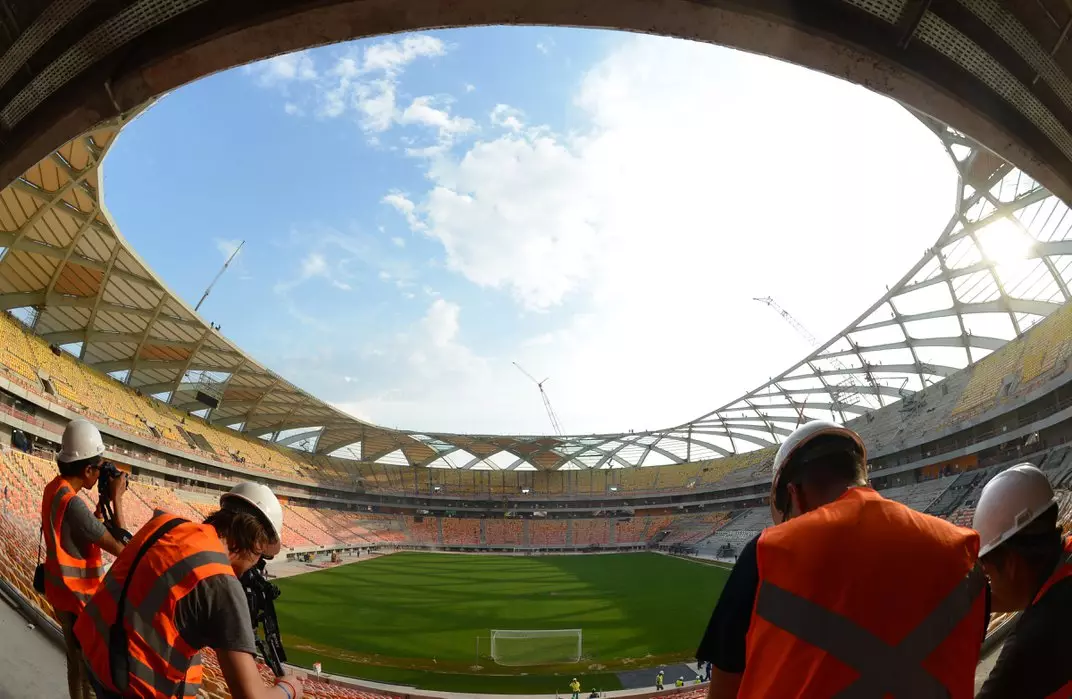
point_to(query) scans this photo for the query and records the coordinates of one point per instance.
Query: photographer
(73, 537)
(178, 587)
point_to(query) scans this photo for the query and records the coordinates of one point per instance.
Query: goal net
(513, 647)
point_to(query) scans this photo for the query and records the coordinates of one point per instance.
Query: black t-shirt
(723, 643)
(1036, 660)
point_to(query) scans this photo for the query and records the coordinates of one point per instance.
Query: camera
(261, 595)
(108, 473)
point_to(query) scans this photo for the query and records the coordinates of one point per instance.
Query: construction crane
(546, 401)
(851, 379)
(801, 330)
(218, 275)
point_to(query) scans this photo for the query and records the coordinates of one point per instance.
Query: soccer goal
(514, 647)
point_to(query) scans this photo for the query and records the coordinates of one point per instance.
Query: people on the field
(659, 680)
(73, 538)
(1029, 564)
(848, 591)
(180, 579)
(575, 687)
(680, 682)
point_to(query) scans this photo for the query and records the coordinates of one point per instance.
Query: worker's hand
(296, 682)
(117, 487)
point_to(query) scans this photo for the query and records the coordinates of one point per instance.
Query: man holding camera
(74, 538)
(176, 590)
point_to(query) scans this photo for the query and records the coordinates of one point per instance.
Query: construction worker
(1029, 564)
(177, 584)
(848, 592)
(575, 687)
(680, 682)
(659, 680)
(73, 538)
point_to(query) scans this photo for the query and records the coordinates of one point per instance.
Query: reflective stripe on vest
(883, 668)
(70, 581)
(161, 663)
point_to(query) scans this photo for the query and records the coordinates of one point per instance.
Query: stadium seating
(503, 532)
(547, 533)
(630, 531)
(461, 532)
(424, 532)
(589, 532)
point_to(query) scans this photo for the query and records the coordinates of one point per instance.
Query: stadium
(506, 564)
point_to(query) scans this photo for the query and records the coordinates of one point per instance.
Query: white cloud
(398, 242)
(544, 47)
(363, 82)
(227, 247)
(401, 203)
(508, 117)
(470, 87)
(421, 111)
(314, 265)
(284, 69)
(392, 56)
(703, 177)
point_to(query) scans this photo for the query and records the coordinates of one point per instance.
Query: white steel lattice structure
(1003, 262)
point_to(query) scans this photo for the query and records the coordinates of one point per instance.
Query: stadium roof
(1001, 264)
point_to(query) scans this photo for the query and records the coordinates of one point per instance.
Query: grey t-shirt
(215, 615)
(80, 529)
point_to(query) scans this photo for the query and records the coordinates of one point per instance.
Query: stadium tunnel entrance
(998, 75)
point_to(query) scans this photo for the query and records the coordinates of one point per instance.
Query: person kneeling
(176, 588)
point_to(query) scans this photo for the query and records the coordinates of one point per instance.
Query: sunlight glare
(1004, 243)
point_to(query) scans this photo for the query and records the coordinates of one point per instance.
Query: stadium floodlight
(519, 647)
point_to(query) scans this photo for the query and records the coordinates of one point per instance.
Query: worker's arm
(724, 685)
(86, 529)
(110, 544)
(723, 644)
(244, 680)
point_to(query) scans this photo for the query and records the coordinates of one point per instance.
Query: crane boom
(796, 324)
(551, 414)
(837, 394)
(218, 275)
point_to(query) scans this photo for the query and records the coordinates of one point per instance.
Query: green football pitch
(424, 619)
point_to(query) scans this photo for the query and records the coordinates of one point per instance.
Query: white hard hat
(1009, 502)
(81, 440)
(801, 436)
(261, 497)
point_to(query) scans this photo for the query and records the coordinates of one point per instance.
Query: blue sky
(422, 210)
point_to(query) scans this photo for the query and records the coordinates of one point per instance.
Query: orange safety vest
(1064, 570)
(864, 597)
(69, 580)
(161, 664)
